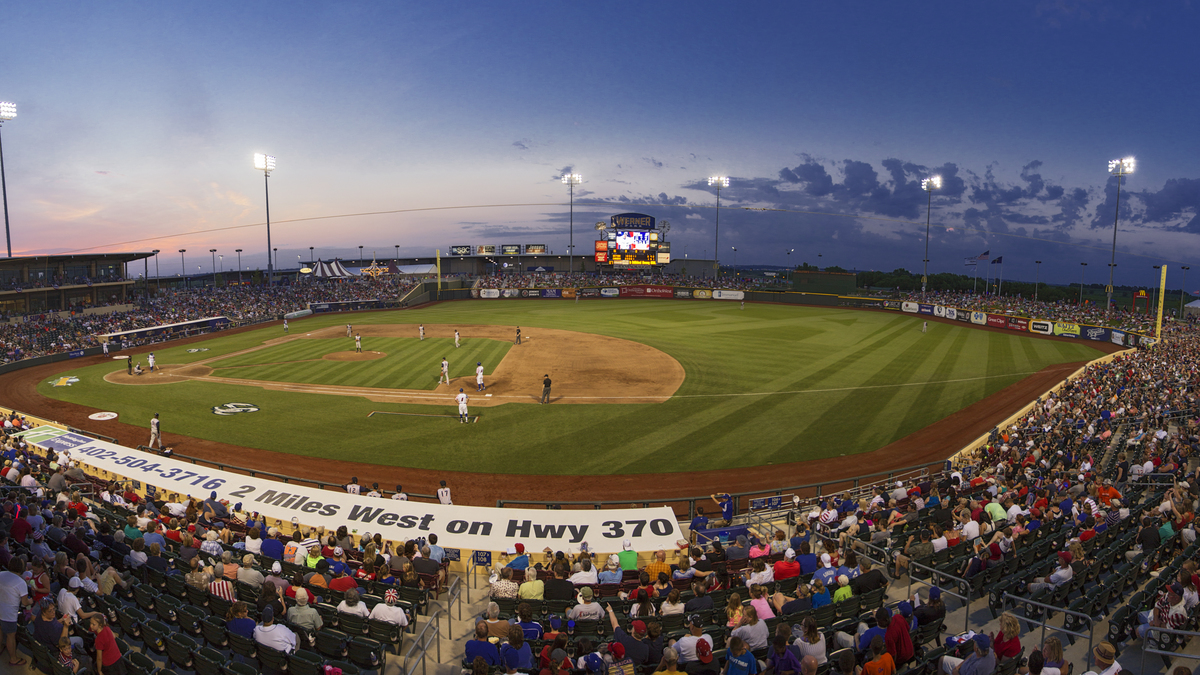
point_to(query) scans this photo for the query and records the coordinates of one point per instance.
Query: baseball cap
(934, 592)
(627, 545)
(618, 650)
(983, 642)
(586, 592)
(555, 623)
(391, 597)
(74, 583)
(826, 560)
(594, 662)
(268, 613)
(519, 547)
(337, 551)
(906, 609)
(512, 659)
(704, 651)
(790, 553)
(1177, 588)
(843, 580)
(1065, 556)
(638, 626)
(695, 620)
(276, 568)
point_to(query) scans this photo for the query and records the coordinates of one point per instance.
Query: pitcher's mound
(354, 356)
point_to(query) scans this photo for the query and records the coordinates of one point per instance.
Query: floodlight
(264, 162)
(932, 183)
(719, 181)
(8, 111)
(1121, 167)
(572, 179)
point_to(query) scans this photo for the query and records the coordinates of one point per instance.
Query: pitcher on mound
(445, 372)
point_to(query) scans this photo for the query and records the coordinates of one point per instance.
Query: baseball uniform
(422, 329)
(445, 372)
(462, 399)
(285, 327)
(348, 330)
(155, 436)
(479, 377)
(456, 339)
(358, 343)
(151, 360)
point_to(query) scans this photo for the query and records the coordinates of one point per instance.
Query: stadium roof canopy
(75, 258)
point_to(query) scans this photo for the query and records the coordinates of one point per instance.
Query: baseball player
(421, 327)
(358, 343)
(924, 326)
(129, 365)
(105, 346)
(456, 339)
(518, 336)
(546, 388)
(285, 327)
(743, 304)
(353, 487)
(151, 360)
(462, 399)
(479, 376)
(155, 434)
(375, 491)
(400, 495)
(443, 494)
(445, 372)
(348, 330)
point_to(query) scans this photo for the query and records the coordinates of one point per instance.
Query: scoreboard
(632, 248)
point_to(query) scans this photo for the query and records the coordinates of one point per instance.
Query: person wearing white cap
(276, 579)
(303, 614)
(68, 602)
(628, 556)
(826, 573)
(899, 493)
(611, 574)
(788, 567)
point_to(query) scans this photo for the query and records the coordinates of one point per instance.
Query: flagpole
(1000, 286)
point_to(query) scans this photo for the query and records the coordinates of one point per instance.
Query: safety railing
(418, 651)
(1044, 623)
(454, 601)
(1147, 649)
(938, 578)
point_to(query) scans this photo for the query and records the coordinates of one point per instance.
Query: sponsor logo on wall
(1066, 329)
(489, 293)
(234, 409)
(511, 293)
(702, 294)
(1018, 323)
(1095, 333)
(964, 315)
(531, 293)
(939, 310)
(925, 309)
(551, 292)
(1043, 327)
(1118, 337)
(951, 313)
(590, 292)
(891, 304)
(729, 295)
(610, 292)
(979, 318)
(683, 293)
(997, 321)
(910, 307)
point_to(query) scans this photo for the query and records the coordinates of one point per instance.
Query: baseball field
(639, 386)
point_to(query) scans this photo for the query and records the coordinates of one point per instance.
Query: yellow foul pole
(439, 272)
(1162, 292)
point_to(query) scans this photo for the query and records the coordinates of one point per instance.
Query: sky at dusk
(137, 123)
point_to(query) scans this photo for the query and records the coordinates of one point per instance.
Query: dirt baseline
(354, 356)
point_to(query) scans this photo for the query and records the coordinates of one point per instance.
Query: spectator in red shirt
(340, 581)
(788, 567)
(1008, 642)
(108, 655)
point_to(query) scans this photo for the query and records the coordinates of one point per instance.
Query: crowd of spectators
(51, 333)
(1092, 314)
(727, 281)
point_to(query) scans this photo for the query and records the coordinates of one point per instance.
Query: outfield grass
(410, 363)
(768, 384)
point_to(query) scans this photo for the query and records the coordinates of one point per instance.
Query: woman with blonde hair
(752, 630)
(1007, 642)
(811, 641)
(733, 611)
(669, 663)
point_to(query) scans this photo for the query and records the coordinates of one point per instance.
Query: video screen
(633, 241)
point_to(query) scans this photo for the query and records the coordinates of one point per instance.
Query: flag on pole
(999, 259)
(971, 262)
(984, 255)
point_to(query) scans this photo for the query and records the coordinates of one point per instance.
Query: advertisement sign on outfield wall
(569, 293)
(728, 295)
(925, 309)
(683, 293)
(489, 292)
(891, 304)
(468, 527)
(531, 292)
(551, 292)
(1066, 329)
(1018, 323)
(644, 291)
(964, 315)
(1042, 327)
(939, 310)
(610, 292)
(910, 307)
(997, 321)
(951, 313)
(1117, 337)
(979, 318)
(590, 292)
(510, 293)
(702, 294)
(1095, 333)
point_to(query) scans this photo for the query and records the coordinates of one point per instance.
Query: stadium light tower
(213, 251)
(183, 266)
(397, 253)
(1119, 168)
(156, 275)
(239, 252)
(276, 250)
(1036, 275)
(222, 259)
(928, 185)
(1182, 290)
(266, 164)
(734, 259)
(571, 180)
(310, 256)
(1082, 269)
(360, 254)
(8, 111)
(717, 182)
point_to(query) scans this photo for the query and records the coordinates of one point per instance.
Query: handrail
(422, 641)
(934, 574)
(453, 597)
(1162, 652)
(1091, 623)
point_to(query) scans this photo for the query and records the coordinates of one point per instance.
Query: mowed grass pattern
(768, 384)
(410, 363)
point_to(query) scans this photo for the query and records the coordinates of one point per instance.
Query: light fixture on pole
(1037, 275)
(928, 185)
(156, 274)
(213, 251)
(397, 253)
(734, 259)
(8, 111)
(239, 252)
(222, 259)
(183, 266)
(1182, 290)
(276, 250)
(717, 182)
(266, 164)
(1082, 269)
(1119, 168)
(788, 267)
(571, 180)
(360, 255)
(310, 256)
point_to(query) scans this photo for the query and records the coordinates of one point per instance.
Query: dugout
(812, 281)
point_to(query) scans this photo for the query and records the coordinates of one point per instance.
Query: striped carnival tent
(330, 270)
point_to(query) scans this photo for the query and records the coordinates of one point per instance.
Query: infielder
(479, 376)
(285, 328)
(155, 435)
(348, 330)
(462, 399)
(151, 360)
(421, 327)
(445, 372)
(456, 339)
(358, 343)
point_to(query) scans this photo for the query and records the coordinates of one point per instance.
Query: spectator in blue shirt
(807, 560)
(726, 503)
(862, 642)
(272, 547)
(700, 522)
(437, 553)
(611, 574)
(481, 647)
(521, 561)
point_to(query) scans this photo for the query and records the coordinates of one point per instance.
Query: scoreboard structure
(632, 241)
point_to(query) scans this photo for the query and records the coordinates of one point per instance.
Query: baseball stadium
(712, 435)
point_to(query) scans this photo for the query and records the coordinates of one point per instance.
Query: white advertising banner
(729, 295)
(939, 310)
(468, 527)
(979, 318)
(910, 307)
(951, 313)
(489, 292)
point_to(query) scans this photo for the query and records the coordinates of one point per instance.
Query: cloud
(653, 162)
(1178, 198)
(522, 144)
